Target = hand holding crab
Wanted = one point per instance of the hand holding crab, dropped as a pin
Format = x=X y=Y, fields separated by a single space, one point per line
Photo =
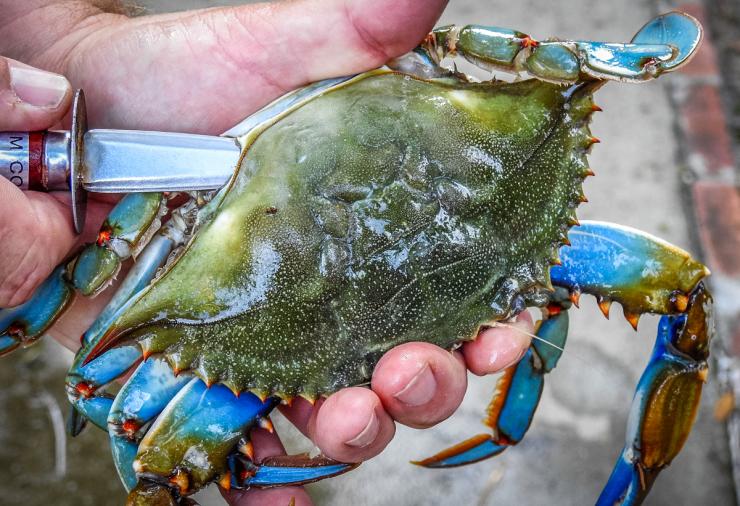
x=416 y=384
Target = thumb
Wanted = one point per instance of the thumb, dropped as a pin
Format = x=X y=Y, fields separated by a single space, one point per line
x=30 y=98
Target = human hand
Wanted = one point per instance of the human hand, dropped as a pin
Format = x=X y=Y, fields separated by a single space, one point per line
x=203 y=71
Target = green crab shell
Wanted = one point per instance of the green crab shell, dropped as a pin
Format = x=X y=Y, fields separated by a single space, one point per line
x=384 y=210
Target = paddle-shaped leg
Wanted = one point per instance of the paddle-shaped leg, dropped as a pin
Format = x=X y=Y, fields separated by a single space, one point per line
x=664 y=44
x=644 y=274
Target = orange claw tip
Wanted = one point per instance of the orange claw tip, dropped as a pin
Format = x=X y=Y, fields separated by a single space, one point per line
x=605 y=305
x=594 y=140
x=596 y=108
x=247 y=449
x=266 y=423
x=575 y=297
x=632 y=318
x=453 y=451
x=590 y=172
x=225 y=481
x=703 y=374
x=680 y=301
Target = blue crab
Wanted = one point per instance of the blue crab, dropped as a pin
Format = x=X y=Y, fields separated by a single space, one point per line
x=368 y=211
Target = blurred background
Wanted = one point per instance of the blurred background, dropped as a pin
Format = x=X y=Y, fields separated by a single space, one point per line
x=643 y=169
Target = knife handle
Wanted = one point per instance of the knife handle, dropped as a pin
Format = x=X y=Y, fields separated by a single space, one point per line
x=50 y=160
x=37 y=161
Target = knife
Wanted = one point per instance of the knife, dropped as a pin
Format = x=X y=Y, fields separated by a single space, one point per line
x=113 y=161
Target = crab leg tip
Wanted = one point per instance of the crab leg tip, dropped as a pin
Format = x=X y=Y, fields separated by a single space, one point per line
x=632 y=318
x=225 y=481
x=247 y=449
x=605 y=305
x=575 y=297
x=266 y=424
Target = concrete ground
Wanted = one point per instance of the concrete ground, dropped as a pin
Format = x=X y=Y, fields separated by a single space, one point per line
x=579 y=428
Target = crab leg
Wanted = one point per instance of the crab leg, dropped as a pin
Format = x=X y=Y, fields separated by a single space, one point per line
x=126 y=230
x=85 y=379
x=662 y=45
x=517 y=395
x=146 y=393
x=644 y=274
x=190 y=442
x=25 y=323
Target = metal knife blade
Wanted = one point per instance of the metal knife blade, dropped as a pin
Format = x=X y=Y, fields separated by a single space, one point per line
x=122 y=161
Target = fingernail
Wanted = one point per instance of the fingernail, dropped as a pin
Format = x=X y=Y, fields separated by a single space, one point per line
x=37 y=87
x=420 y=389
x=508 y=351
x=367 y=435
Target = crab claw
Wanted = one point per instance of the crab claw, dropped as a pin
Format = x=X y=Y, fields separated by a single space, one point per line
x=283 y=470
x=658 y=425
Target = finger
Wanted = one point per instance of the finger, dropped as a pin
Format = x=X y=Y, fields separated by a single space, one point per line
x=267 y=444
x=227 y=62
x=36 y=234
x=420 y=384
x=351 y=425
x=497 y=348
x=31 y=99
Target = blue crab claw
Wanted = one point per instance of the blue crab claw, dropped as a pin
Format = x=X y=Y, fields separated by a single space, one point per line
x=24 y=324
x=659 y=425
x=86 y=379
x=283 y=470
x=644 y=274
x=146 y=393
x=188 y=444
x=617 y=263
x=517 y=395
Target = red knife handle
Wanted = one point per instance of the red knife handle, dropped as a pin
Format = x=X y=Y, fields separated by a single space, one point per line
x=37 y=161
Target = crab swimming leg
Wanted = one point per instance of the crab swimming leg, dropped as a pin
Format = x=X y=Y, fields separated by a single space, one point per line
x=85 y=380
x=126 y=230
x=662 y=45
x=193 y=439
x=644 y=274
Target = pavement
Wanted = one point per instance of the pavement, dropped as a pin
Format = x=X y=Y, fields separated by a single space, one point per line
x=654 y=171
